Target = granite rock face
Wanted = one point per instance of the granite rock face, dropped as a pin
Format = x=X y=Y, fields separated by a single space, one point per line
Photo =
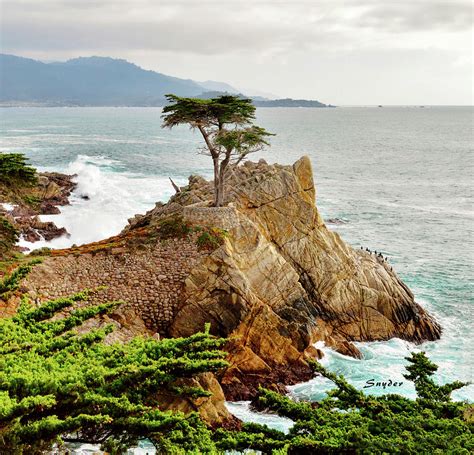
x=283 y=281
x=279 y=282
x=51 y=190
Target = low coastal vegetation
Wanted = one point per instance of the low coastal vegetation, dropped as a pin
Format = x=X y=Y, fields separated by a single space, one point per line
x=60 y=382
x=211 y=238
x=16 y=177
x=8 y=236
x=15 y=170
x=208 y=238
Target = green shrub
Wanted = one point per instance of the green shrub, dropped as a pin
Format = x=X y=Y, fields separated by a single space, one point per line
x=13 y=167
x=211 y=239
x=33 y=201
x=11 y=282
x=8 y=235
x=174 y=227
x=44 y=251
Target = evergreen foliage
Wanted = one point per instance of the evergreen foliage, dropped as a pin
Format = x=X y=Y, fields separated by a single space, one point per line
x=13 y=168
x=211 y=238
x=58 y=380
x=173 y=227
x=11 y=282
x=8 y=236
x=225 y=123
x=348 y=421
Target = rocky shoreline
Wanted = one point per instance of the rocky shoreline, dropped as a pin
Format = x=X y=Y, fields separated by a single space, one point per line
x=274 y=281
x=21 y=206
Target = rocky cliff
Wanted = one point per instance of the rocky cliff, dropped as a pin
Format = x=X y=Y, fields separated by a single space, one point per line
x=270 y=276
x=21 y=203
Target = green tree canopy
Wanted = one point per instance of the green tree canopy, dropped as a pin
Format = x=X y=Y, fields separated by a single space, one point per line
x=350 y=422
x=226 y=125
x=57 y=381
x=13 y=168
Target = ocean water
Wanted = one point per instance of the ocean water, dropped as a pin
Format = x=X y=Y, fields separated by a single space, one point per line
x=399 y=178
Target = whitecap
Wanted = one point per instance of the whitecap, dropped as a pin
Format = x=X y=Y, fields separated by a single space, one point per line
x=103 y=201
x=242 y=410
x=7 y=207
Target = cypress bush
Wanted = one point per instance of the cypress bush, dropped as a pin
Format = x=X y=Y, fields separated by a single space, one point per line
x=350 y=422
x=58 y=383
x=13 y=168
x=61 y=383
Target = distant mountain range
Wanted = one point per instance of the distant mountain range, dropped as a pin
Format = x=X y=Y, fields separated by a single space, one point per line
x=104 y=81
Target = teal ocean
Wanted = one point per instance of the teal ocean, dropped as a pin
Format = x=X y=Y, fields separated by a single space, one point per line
x=398 y=179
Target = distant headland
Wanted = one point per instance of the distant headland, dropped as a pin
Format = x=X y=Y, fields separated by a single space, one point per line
x=104 y=81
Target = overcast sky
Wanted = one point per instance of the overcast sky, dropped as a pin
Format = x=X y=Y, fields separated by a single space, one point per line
x=339 y=52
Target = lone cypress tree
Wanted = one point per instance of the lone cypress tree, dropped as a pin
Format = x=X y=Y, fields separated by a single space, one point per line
x=226 y=126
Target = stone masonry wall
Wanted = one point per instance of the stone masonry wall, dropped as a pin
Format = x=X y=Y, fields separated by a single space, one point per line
x=221 y=217
x=151 y=279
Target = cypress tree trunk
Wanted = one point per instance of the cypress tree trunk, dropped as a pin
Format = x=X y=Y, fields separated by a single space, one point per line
x=220 y=192
x=219 y=184
x=217 y=199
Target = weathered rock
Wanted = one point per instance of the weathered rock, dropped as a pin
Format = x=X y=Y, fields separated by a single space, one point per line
x=52 y=190
x=33 y=229
x=283 y=281
x=212 y=409
x=56 y=187
x=279 y=282
x=48 y=208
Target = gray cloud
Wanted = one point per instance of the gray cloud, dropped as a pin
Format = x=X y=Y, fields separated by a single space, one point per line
x=181 y=33
x=419 y=16
x=240 y=41
x=216 y=27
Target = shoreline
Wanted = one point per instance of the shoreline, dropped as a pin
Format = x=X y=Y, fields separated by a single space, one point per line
x=330 y=221
x=23 y=206
x=109 y=254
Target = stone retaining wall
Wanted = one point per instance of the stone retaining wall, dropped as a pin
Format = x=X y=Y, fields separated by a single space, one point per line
x=221 y=217
x=151 y=280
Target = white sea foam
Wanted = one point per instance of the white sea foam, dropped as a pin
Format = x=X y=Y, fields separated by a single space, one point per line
x=6 y=206
x=113 y=197
x=241 y=409
x=145 y=447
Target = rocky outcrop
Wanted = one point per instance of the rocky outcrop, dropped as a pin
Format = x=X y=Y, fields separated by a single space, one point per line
x=279 y=280
x=51 y=190
x=33 y=229
x=283 y=281
x=212 y=409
